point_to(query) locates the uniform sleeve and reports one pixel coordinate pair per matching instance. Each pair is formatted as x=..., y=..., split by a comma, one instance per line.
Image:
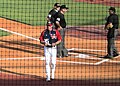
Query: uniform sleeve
x=41, y=38
x=50, y=14
x=58, y=35
x=58, y=18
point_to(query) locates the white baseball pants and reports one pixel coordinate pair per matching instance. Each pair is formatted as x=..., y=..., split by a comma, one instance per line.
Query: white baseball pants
x=50, y=59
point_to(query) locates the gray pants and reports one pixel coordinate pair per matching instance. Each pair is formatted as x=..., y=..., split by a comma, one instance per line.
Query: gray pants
x=61, y=50
x=111, y=48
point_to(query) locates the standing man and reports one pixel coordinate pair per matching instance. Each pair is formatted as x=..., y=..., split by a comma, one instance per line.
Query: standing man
x=112, y=27
x=50, y=38
x=60, y=25
x=52, y=14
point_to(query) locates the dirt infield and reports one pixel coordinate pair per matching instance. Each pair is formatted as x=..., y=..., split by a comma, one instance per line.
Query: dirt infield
x=22, y=61
x=115, y=3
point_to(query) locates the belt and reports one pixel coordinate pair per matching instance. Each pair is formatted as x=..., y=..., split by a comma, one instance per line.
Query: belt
x=50, y=46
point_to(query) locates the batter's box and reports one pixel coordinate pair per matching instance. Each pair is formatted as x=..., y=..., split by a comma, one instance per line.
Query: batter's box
x=85, y=58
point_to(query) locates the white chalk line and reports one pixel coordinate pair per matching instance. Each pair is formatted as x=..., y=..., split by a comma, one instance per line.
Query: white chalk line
x=63, y=61
x=111, y=61
x=100, y=62
x=75, y=49
x=68, y=49
x=43, y=58
x=90, y=58
x=22, y=58
x=19, y=34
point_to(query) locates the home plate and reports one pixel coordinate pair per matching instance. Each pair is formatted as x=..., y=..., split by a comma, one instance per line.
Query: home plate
x=83, y=56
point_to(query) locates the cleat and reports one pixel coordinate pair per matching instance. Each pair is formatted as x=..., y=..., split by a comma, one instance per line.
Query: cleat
x=116, y=55
x=48, y=80
x=108, y=57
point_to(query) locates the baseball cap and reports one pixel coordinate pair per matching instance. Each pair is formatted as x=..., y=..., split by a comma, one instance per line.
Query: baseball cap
x=63, y=7
x=112, y=8
x=57, y=4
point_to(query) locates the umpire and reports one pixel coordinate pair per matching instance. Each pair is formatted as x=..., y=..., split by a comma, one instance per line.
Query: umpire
x=112, y=27
x=52, y=14
x=60, y=25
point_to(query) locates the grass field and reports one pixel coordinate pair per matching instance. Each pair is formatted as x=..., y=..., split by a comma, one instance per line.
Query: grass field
x=3, y=33
x=34, y=12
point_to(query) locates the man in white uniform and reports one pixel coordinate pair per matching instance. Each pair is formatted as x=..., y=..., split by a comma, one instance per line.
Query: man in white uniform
x=50, y=38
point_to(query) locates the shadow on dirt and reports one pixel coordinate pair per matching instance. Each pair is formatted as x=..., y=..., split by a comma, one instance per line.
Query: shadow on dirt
x=88, y=32
x=10, y=78
x=21, y=46
x=57, y=82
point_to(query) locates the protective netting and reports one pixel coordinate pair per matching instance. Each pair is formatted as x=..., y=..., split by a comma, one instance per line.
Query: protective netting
x=22, y=56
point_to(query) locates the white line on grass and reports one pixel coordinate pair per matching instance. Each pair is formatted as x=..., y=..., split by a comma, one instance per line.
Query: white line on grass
x=19, y=34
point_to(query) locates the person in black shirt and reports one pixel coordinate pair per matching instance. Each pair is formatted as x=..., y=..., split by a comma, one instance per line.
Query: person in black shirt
x=112, y=27
x=60, y=25
x=53, y=13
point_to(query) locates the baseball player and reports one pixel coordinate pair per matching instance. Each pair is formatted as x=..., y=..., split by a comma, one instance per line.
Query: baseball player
x=112, y=27
x=50, y=38
x=60, y=24
x=52, y=14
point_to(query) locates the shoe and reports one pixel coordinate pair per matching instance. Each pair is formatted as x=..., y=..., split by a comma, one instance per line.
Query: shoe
x=52, y=79
x=116, y=55
x=48, y=80
x=108, y=57
x=59, y=56
x=66, y=55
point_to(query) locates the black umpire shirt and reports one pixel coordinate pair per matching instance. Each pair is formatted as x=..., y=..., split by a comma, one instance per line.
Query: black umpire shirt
x=113, y=18
x=52, y=15
x=61, y=19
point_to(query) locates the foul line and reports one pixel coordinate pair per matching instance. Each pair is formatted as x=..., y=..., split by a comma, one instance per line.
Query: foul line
x=25, y=58
x=19, y=34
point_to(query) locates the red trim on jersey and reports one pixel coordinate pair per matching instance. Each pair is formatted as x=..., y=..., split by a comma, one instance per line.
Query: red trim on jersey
x=41, y=38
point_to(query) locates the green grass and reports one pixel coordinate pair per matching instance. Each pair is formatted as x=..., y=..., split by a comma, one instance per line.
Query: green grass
x=3, y=33
x=34, y=12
